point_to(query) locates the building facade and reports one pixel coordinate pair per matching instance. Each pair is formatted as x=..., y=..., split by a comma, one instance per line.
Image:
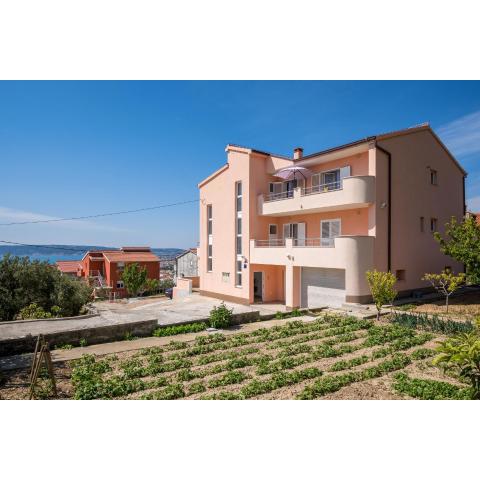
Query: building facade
x=186, y=266
x=103, y=268
x=307, y=242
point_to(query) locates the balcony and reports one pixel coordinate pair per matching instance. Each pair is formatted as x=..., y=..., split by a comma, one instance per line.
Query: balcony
x=348, y=193
x=346, y=252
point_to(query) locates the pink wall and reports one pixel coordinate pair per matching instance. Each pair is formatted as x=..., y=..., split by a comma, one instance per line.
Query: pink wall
x=413, y=196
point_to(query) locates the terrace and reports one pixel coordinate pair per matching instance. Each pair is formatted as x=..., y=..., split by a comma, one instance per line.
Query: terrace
x=343, y=194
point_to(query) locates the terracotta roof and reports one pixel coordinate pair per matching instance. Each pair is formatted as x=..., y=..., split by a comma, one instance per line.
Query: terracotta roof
x=66, y=266
x=119, y=256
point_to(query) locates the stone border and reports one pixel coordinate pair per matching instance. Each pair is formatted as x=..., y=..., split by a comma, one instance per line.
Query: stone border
x=78, y=317
x=93, y=335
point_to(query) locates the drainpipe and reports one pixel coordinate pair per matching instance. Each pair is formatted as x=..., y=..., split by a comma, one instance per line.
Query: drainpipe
x=389, y=205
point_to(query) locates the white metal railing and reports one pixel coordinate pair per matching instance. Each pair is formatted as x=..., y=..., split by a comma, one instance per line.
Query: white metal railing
x=273, y=197
x=314, y=242
x=272, y=242
x=323, y=188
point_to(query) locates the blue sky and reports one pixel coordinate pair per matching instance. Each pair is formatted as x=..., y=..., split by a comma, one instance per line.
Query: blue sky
x=79, y=148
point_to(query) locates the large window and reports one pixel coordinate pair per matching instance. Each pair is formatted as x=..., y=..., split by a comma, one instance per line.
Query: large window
x=238, y=233
x=210, y=238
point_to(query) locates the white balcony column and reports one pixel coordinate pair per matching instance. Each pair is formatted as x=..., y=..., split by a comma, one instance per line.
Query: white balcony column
x=289, y=286
x=289, y=274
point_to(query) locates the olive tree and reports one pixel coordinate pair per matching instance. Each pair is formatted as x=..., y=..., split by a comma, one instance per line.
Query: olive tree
x=382, y=287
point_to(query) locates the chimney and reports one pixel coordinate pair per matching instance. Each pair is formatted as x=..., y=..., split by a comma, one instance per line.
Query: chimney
x=297, y=153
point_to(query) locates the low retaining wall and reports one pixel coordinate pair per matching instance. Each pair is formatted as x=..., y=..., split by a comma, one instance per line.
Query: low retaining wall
x=78, y=317
x=93, y=335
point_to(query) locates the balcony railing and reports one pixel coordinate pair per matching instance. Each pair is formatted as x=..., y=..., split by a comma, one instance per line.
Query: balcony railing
x=272, y=242
x=323, y=188
x=273, y=197
x=314, y=242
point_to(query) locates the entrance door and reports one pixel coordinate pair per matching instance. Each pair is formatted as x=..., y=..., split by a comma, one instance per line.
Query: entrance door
x=258, y=286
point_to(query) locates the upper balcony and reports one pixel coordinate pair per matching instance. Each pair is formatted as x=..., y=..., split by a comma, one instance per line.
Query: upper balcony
x=347, y=193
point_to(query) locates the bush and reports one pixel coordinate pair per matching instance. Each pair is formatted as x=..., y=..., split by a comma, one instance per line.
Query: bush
x=461, y=355
x=430, y=322
x=382, y=287
x=178, y=329
x=34, y=311
x=24, y=282
x=220, y=317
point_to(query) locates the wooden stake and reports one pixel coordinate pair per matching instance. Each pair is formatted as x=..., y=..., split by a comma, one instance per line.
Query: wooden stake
x=34, y=359
x=48, y=361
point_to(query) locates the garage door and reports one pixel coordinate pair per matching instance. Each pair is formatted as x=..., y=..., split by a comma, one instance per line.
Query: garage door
x=322, y=286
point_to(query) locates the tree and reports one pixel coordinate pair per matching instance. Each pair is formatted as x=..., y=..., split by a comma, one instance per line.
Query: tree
x=152, y=285
x=446, y=282
x=382, y=287
x=462, y=243
x=461, y=354
x=134, y=277
x=24, y=283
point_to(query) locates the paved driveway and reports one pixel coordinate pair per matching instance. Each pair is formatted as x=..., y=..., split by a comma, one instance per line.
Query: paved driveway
x=167, y=312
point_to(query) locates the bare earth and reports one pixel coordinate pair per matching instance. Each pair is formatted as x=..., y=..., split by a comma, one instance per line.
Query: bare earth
x=205, y=368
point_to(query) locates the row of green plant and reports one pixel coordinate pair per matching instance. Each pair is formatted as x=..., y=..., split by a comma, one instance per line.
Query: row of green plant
x=395, y=346
x=425, y=389
x=430, y=322
x=330, y=384
x=179, y=329
x=285, y=361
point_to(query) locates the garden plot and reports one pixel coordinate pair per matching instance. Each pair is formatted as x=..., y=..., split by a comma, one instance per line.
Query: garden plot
x=331, y=357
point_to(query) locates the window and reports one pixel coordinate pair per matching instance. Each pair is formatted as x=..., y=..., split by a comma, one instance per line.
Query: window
x=238, y=279
x=433, y=225
x=433, y=177
x=400, y=274
x=226, y=277
x=209, y=220
x=120, y=284
x=331, y=180
x=272, y=229
x=238, y=190
x=238, y=233
x=329, y=230
x=422, y=224
x=210, y=238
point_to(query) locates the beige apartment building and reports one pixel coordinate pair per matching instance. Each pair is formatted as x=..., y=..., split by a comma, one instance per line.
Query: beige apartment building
x=303, y=230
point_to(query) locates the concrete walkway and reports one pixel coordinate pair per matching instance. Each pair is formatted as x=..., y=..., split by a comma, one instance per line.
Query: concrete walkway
x=166, y=312
x=24, y=361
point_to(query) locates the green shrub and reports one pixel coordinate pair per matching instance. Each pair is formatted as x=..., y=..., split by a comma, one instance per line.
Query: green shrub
x=461, y=355
x=220, y=317
x=34, y=311
x=179, y=329
x=430, y=322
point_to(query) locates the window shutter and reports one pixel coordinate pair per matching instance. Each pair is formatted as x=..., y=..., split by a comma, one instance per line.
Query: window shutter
x=286, y=230
x=315, y=180
x=301, y=234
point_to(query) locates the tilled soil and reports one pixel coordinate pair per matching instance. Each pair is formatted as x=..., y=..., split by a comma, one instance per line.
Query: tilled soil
x=15, y=385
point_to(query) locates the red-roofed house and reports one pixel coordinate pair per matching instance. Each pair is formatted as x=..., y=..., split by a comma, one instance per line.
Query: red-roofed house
x=103, y=268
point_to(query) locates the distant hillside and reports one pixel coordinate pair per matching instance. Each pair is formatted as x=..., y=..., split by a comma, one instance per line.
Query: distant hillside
x=68, y=252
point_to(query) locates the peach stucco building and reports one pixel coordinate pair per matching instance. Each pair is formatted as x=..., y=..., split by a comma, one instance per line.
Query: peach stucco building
x=373, y=203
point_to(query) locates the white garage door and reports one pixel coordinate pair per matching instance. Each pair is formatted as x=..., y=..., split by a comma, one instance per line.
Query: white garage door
x=322, y=286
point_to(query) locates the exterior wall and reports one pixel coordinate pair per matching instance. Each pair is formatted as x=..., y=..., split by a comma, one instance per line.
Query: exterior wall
x=354, y=222
x=273, y=281
x=187, y=265
x=220, y=193
x=113, y=274
x=413, y=196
